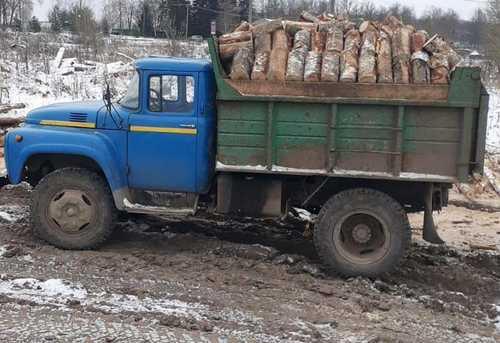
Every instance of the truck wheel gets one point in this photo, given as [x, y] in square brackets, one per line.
[362, 232]
[72, 208]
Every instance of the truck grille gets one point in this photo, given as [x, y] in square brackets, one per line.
[78, 117]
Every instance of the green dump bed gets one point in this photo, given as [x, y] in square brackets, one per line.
[412, 132]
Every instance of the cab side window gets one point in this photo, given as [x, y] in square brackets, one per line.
[171, 94]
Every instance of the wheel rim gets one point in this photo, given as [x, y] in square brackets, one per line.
[71, 211]
[362, 237]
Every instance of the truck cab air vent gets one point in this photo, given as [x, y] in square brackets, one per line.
[78, 117]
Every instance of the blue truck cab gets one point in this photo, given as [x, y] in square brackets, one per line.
[158, 137]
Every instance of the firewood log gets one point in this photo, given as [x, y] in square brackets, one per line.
[227, 51]
[243, 26]
[312, 69]
[349, 63]
[384, 59]
[440, 68]
[263, 42]
[418, 40]
[10, 107]
[280, 40]
[296, 64]
[318, 41]
[421, 73]
[302, 40]
[277, 64]
[368, 56]
[309, 17]
[292, 27]
[235, 37]
[260, 66]
[330, 67]
[335, 39]
[438, 45]
[401, 54]
[267, 26]
[242, 65]
[10, 122]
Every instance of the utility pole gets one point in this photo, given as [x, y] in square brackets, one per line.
[187, 20]
[250, 11]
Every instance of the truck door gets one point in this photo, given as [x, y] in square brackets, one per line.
[163, 135]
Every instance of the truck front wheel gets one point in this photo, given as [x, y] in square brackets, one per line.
[362, 232]
[72, 208]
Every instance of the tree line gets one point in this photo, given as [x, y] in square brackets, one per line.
[184, 18]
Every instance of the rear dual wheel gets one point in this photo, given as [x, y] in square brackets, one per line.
[73, 208]
[362, 232]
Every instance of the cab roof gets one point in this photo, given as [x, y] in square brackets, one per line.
[174, 64]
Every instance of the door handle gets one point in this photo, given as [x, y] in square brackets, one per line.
[192, 126]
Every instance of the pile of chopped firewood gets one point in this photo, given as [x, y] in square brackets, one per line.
[334, 49]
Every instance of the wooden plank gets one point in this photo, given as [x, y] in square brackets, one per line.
[412, 92]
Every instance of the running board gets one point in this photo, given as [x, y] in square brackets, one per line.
[144, 209]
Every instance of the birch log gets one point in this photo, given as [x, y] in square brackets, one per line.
[260, 66]
[296, 63]
[349, 57]
[242, 65]
[235, 37]
[227, 51]
[440, 68]
[384, 59]
[368, 56]
[330, 67]
[335, 39]
[401, 54]
[421, 72]
[312, 69]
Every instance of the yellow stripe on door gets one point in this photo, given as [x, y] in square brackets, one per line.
[172, 130]
[67, 124]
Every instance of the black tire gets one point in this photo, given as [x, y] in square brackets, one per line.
[362, 232]
[96, 197]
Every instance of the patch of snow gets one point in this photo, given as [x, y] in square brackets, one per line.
[7, 217]
[493, 132]
[57, 292]
[497, 321]
[304, 214]
[222, 166]
[13, 213]
[52, 291]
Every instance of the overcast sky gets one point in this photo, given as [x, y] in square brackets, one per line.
[464, 7]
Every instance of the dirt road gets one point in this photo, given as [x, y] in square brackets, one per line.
[208, 280]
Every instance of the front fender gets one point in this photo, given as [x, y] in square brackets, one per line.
[106, 148]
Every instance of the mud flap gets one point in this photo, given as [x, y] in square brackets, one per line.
[430, 232]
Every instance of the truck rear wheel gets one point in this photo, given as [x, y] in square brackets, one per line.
[72, 208]
[362, 232]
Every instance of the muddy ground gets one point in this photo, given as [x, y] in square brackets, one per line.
[208, 280]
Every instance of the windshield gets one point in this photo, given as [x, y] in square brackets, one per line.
[131, 99]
